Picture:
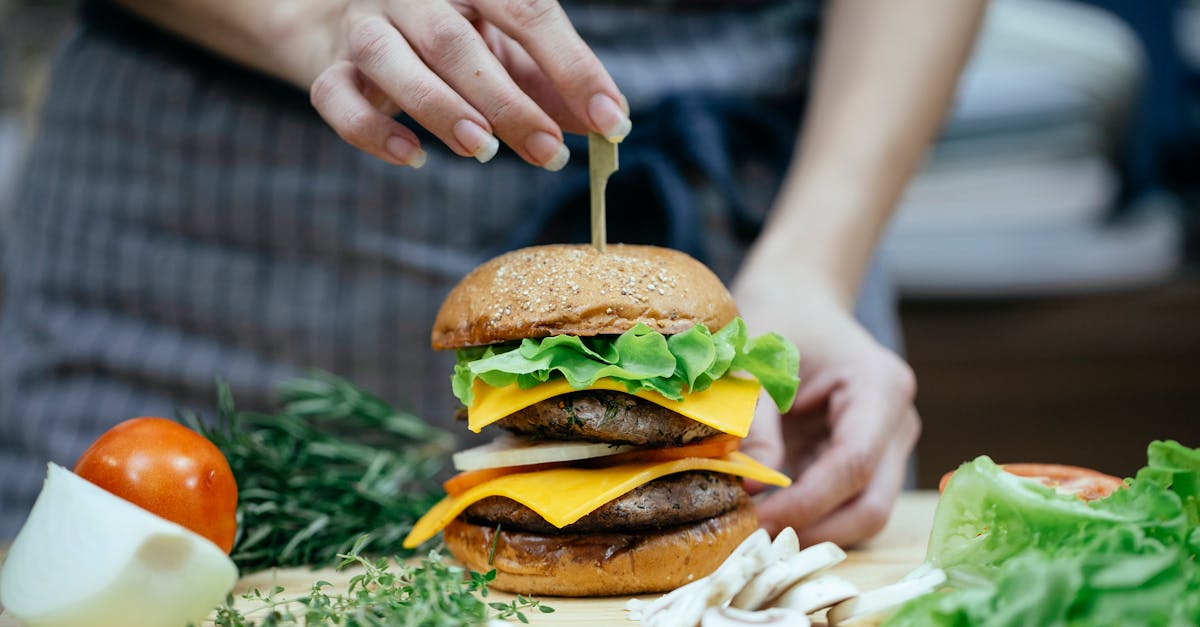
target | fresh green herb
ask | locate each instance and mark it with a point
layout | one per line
(513, 608)
(610, 410)
(641, 358)
(334, 463)
(429, 592)
(492, 545)
(1019, 553)
(569, 408)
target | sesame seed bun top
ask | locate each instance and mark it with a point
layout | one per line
(566, 289)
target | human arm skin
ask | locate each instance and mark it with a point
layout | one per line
(468, 71)
(885, 75)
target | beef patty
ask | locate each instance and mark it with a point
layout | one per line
(665, 502)
(605, 416)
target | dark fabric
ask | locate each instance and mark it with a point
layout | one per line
(113, 23)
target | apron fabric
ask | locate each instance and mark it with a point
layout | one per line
(182, 219)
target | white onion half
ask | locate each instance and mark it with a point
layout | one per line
(509, 451)
(87, 557)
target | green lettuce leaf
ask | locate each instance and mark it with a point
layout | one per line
(987, 516)
(1180, 466)
(641, 358)
(1019, 553)
(1110, 579)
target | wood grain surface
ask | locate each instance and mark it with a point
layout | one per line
(883, 560)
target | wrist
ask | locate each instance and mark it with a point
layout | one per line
(767, 276)
(298, 38)
(766, 290)
(800, 252)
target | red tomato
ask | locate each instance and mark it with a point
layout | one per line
(1085, 483)
(170, 470)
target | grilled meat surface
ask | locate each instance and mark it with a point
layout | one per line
(605, 416)
(665, 502)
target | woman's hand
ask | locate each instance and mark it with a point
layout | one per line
(884, 76)
(847, 438)
(468, 71)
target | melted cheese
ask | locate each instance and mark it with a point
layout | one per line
(564, 495)
(727, 405)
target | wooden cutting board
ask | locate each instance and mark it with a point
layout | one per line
(883, 560)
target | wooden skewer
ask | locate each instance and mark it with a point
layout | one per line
(602, 162)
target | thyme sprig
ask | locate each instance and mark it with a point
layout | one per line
(334, 463)
(426, 593)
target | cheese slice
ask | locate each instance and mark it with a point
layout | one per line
(564, 495)
(727, 405)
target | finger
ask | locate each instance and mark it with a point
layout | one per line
(796, 434)
(380, 53)
(867, 515)
(815, 389)
(770, 433)
(765, 441)
(452, 47)
(542, 28)
(843, 469)
(533, 81)
(336, 96)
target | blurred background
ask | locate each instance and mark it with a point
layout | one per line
(1047, 254)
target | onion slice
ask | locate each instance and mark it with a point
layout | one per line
(88, 557)
(509, 451)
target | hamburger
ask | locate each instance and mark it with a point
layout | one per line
(622, 383)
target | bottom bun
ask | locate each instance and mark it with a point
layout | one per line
(601, 564)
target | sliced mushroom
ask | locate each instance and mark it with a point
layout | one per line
(778, 577)
(731, 576)
(684, 611)
(634, 608)
(882, 601)
(816, 594)
(685, 606)
(733, 617)
(758, 570)
(786, 544)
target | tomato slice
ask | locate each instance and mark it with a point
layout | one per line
(716, 446)
(464, 481)
(1085, 483)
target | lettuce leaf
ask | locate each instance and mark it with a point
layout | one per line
(1019, 553)
(1179, 466)
(987, 516)
(1109, 579)
(641, 358)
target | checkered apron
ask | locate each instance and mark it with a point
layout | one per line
(182, 219)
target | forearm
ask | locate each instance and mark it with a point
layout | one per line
(885, 75)
(272, 37)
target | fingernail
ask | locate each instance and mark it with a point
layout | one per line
(608, 116)
(406, 152)
(481, 144)
(549, 150)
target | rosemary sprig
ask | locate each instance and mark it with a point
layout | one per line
(335, 463)
(426, 594)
